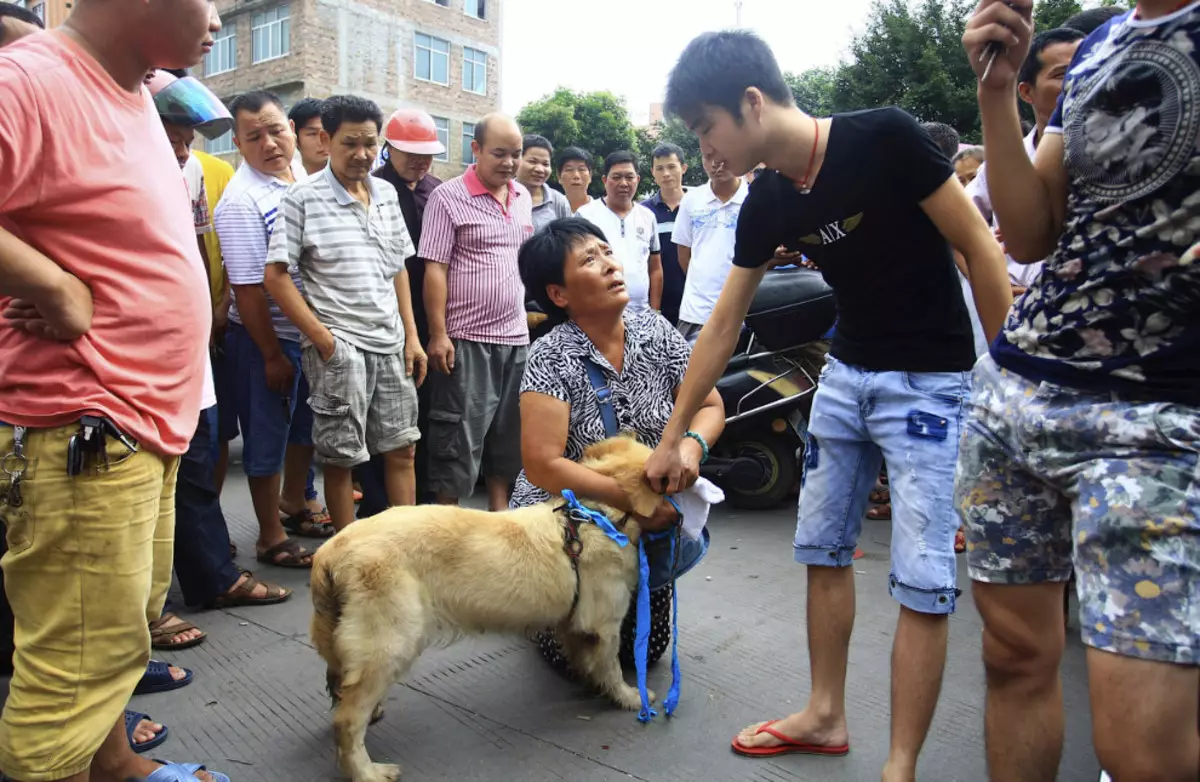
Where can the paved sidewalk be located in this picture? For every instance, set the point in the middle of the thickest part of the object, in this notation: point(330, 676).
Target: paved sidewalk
point(488, 709)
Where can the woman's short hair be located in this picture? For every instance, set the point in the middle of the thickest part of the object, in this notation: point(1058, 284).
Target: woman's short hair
point(544, 256)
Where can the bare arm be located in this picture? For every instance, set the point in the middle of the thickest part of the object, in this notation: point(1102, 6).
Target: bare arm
point(656, 280)
point(717, 341)
point(544, 424)
point(414, 355)
point(47, 300)
point(685, 257)
point(963, 227)
point(1029, 197)
point(255, 313)
point(287, 296)
point(437, 286)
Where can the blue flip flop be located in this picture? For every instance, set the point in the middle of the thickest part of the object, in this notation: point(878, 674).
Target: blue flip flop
point(157, 678)
point(182, 772)
point(132, 718)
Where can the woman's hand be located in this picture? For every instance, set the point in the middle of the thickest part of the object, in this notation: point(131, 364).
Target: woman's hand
point(690, 454)
point(665, 516)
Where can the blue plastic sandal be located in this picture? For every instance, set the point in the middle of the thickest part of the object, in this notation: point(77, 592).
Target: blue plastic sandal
point(182, 772)
point(157, 678)
point(132, 718)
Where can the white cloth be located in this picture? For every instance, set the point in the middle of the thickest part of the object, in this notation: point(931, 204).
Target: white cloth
point(981, 343)
point(708, 226)
point(695, 503)
point(633, 239)
point(1022, 274)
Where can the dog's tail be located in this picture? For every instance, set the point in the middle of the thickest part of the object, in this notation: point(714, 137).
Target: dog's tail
point(327, 612)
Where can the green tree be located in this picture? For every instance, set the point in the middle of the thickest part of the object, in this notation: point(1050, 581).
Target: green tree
point(813, 90)
point(911, 56)
point(1048, 14)
point(595, 121)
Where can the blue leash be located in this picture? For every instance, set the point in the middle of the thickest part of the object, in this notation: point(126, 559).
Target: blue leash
point(641, 646)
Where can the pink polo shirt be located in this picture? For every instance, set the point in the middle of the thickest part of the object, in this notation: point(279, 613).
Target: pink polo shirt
point(467, 229)
point(88, 177)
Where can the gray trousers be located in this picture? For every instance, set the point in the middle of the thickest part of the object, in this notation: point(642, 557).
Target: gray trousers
point(475, 418)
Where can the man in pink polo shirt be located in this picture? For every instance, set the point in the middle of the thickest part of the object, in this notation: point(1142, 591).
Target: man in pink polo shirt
point(102, 354)
point(475, 302)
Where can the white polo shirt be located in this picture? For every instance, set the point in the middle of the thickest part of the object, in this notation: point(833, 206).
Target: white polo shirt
point(633, 238)
point(1022, 274)
point(708, 226)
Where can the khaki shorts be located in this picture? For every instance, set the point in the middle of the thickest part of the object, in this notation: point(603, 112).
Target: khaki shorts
point(87, 568)
point(362, 403)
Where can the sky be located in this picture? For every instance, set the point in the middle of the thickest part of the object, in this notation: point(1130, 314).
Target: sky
point(629, 46)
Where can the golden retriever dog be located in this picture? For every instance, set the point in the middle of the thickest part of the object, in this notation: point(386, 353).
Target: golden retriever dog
point(388, 587)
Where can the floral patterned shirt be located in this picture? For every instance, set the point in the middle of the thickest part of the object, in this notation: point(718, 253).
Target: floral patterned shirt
point(1117, 308)
point(643, 392)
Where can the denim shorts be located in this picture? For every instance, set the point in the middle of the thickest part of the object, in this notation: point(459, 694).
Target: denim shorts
point(263, 414)
point(1053, 479)
point(912, 419)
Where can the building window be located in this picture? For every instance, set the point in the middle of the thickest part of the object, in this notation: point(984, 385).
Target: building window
point(468, 135)
point(223, 56)
point(39, 10)
point(443, 131)
point(474, 71)
point(272, 33)
point(221, 145)
point(475, 8)
point(433, 59)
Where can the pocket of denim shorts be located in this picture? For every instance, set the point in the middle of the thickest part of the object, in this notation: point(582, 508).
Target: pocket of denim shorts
point(445, 434)
point(950, 387)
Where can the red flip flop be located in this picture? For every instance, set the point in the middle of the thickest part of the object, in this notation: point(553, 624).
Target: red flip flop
point(788, 747)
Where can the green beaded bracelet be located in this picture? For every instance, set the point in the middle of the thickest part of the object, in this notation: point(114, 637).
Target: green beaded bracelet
point(703, 445)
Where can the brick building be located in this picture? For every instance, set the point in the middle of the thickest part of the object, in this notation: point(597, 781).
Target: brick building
point(51, 12)
point(442, 56)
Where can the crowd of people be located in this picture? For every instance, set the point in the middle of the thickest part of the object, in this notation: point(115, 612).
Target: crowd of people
point(335, 304)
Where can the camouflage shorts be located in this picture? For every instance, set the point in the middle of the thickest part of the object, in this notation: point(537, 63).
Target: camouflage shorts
point(1051, 478)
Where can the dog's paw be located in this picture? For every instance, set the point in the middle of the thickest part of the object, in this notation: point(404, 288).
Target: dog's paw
point(380, 772)
point(629, 699)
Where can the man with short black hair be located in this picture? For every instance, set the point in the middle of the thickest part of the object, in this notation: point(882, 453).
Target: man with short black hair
point(875, 204)
point(1039, 83)
point(548, 204)
point(1090, 20)
point(305, 121)
point(343, 231)
point(632, 232)
point(668, 169)
point(575, 175)
point(262, 347)
point(17, 22)
point(475, 302)
point(946, 137)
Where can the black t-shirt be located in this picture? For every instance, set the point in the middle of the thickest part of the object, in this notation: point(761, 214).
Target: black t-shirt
point(899, 300)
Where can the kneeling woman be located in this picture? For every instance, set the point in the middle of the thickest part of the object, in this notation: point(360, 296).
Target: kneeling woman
point(569, 269)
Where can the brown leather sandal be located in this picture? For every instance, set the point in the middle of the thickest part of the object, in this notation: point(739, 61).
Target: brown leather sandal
point(167, 627)
point(880, 512)
point(293, 555)
point(243, 594)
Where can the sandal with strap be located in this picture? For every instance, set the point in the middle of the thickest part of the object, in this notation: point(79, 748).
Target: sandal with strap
point(182, 772)
point(293, 555)
point(132, 720)
point(243, 594)
point(158, 678)
point(168, 626)
point(305, 525)
point(880, 496)
point(880, 512)
point(960, 541)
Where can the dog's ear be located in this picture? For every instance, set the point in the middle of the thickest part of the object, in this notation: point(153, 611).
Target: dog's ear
point(624, 460)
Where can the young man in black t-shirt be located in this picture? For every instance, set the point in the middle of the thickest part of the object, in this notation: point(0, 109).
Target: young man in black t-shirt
point(875, 204)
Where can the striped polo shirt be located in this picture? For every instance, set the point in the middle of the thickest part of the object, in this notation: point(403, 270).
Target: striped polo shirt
point(467, 229)
point(348, 256)
point(244, 218)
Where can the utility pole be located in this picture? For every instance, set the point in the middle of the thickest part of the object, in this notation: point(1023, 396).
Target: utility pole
point(737, 4)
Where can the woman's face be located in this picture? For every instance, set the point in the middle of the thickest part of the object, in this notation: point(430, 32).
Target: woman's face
point(593, 280)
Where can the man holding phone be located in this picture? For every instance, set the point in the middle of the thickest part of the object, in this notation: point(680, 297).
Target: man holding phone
point(1083, 446)
point(877, 206)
